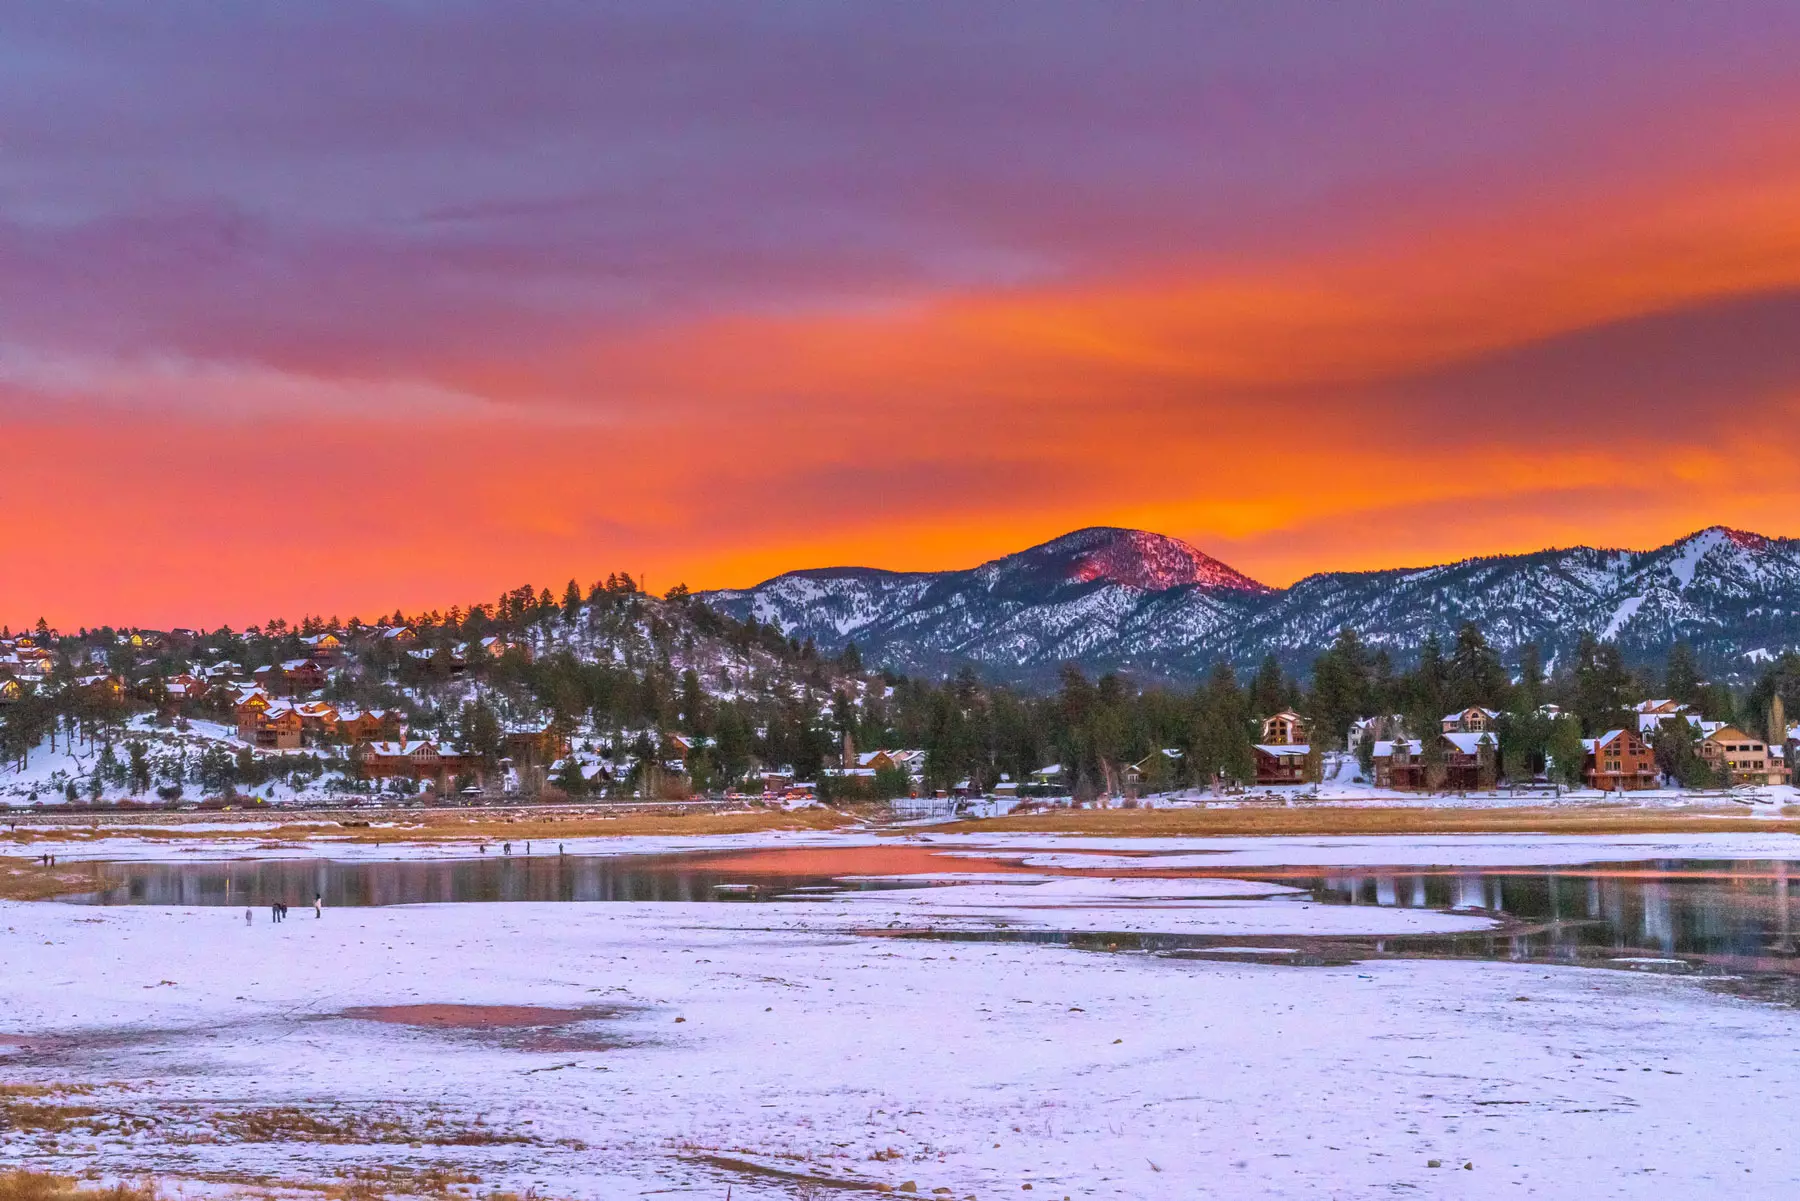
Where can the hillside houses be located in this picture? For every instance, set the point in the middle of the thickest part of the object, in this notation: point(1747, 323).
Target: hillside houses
point(636, 697)
point(271, 723)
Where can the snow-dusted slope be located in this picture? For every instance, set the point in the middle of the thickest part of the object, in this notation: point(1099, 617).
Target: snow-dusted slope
point(1125, 598)
point(1083, 596)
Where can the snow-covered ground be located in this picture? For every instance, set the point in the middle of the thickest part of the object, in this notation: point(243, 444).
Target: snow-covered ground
point(769, 1048)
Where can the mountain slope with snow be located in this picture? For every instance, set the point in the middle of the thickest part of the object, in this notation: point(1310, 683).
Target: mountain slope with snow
point(1110, 598)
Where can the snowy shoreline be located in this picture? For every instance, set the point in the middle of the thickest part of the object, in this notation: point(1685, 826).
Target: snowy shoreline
point(711, 1041)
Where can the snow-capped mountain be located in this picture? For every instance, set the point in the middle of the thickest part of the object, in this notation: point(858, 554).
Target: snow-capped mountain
point(1113, 598)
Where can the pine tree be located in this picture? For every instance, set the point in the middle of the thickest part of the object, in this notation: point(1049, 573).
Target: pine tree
point(1431, 758)
point(1529, 695)
point(139, 768)
point(1429, 681)
point(1567, 757)
point(1681, 676)
point(1602, 686)
point(1341, 686)
point(1475, 675)
point(1268, 693)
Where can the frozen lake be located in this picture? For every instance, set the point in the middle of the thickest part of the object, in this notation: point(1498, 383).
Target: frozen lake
point(1718, 916)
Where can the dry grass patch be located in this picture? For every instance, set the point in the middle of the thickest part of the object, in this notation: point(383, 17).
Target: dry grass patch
point(479, 825)
point(29, 1109)
point(1323, 819)
point(381, 1183)
point(359, 1183)
point(41, 1186)
point(499, 826)
point(27, 880)
point(49, 1118)
point(296, 1124)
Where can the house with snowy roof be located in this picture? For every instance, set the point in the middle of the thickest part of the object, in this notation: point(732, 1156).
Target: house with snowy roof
point(1473, 720)
point(1281, 762)
point(1463, 761)
point(1285, 728)
point(1619, 761)
point(270, 725)
point(1747, 758)
point(327, 645)
point(536, 743)
point(410, 759)
point(1382, 725)
point(1653, 715)
point(369, 725)
point(103, 684)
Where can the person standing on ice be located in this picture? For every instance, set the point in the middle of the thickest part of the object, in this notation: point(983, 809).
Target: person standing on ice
point(318, 904)
point(247, 917)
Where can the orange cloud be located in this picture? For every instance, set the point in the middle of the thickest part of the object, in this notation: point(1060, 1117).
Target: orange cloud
point(1272, 412)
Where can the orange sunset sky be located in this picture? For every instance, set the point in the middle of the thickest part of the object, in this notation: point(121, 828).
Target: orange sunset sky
point(336, 309)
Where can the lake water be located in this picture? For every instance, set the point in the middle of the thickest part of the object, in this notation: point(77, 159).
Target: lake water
point(1727, 917)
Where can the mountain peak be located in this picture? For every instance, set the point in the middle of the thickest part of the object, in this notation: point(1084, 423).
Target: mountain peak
point(1714, 534)
point(1134, 559)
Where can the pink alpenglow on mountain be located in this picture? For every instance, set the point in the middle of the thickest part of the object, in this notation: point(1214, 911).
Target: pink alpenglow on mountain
point(1146, 561)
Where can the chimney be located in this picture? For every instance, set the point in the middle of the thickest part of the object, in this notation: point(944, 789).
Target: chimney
point(849, 751)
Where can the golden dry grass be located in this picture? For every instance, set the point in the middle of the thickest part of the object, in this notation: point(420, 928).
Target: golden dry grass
point(1322, 819)
point(41, 1186)
point(358, 1183)
point(296, 1124)
point(35, 1109)
point(476, 825)
point(28, 880)
point(497, 825)
point(379, 1183)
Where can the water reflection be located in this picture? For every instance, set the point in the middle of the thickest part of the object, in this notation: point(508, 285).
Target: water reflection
point(1724, 912)
point(407, 882)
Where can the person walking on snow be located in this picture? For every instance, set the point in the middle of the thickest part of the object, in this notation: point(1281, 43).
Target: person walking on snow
point(318, 905)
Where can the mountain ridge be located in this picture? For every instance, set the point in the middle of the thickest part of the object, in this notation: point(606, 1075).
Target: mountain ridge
point(1110, 598)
